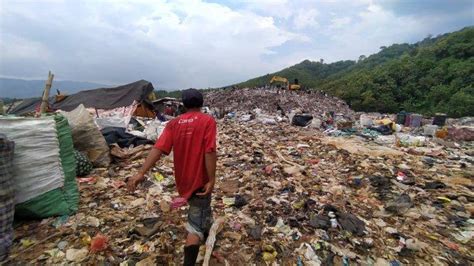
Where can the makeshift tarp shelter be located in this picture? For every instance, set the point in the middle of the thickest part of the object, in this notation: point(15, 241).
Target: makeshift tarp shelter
point(29, 105)
point(161, 103)
point(43, 166)
point(109, 98)
point(137, 94)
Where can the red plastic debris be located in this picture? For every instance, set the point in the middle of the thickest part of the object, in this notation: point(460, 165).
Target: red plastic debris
point(88, 180)
point(268, 169)
point(118, 184)
point(401, 176)
point(99, 243)
point(178, 202)
point(450, 244)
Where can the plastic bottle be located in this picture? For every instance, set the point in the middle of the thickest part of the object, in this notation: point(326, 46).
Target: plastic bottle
point(333, 219)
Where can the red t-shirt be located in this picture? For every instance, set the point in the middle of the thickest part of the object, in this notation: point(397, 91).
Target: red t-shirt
point(191, 136)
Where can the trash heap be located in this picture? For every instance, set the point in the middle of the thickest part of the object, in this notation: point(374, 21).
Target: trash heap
point(270, 101)
point(289, 195)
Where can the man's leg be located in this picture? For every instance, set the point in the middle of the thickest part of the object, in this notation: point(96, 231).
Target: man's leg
point(199, 223)
point(192, 239)
point(191, 249)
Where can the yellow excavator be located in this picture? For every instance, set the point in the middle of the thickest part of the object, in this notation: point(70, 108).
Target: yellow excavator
point(295, 86)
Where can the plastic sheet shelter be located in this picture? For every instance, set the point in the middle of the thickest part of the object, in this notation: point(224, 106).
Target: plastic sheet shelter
point(102, 98)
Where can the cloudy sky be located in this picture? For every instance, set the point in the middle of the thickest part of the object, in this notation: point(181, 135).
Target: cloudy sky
point(194, 43)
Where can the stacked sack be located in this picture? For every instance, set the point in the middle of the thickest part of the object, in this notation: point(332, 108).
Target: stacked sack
point(6, 195)
point(44, 167)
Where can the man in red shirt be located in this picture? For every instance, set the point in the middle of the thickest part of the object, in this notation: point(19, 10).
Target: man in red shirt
point(192, 138)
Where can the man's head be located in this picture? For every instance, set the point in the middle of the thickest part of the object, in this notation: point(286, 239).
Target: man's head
point(192, 99)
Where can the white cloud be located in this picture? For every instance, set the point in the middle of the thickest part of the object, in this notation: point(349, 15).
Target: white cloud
point(195, 43)
point(305, 19)
point(18, 48)
point(338, 23)
point(367, 31)
point(191, 43)
point(274, 8)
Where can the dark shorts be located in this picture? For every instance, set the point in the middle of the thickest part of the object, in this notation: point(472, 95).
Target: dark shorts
point(199, 215)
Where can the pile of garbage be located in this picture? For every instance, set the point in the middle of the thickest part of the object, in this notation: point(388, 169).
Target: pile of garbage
point(302, 179)
point(272, 101)
point(403, 129)
point(284, 194)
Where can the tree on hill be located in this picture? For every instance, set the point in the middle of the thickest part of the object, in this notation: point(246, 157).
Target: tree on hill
point(433, 75)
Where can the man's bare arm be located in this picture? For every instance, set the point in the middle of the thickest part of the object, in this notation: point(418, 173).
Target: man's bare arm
point(153, 157)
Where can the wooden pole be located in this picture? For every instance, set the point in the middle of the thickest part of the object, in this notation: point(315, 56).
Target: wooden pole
point(47, 87)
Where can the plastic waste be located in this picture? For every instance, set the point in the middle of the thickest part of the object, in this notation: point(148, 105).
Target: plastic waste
point(158, 177)
point(366, 121)
point(60, 221)
point(442, 133)
point(178, 202)
point(333, 219)
point(228, 201)
point(408, 140)
point(320, 222)
point(76, 255)
point(256, 232)
point(269, 253)
point(245, 118)
point(351, 223)
point(99, 243)
point(430, 130)
point(154, 129)
point(93, 221)
point(435, 185)
point(400, 205)
point(301, 120)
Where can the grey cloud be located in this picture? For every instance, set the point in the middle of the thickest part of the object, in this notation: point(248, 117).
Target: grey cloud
point(177, 46)
point(428, 7)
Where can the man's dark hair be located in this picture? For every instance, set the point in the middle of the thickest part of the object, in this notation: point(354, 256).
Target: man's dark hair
point(192, 98)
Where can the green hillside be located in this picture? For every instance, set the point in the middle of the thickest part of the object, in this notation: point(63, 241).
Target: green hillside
point(309, 74)
point(433, 75)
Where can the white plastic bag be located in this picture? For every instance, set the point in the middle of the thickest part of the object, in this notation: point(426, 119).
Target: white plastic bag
point(154, 129)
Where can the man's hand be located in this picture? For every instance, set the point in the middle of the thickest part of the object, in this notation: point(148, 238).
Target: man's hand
point(207, 189)
point(152, 158)
point(211, 159)
point(134, 181)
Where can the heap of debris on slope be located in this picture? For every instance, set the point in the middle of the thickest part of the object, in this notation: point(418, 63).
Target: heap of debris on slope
point(269, 100)
point(289, 195)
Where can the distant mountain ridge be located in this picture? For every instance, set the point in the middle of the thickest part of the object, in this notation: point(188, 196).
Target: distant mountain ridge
point(22, 88)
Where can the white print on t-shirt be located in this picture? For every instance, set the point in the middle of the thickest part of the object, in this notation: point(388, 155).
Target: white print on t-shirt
point(184, 121)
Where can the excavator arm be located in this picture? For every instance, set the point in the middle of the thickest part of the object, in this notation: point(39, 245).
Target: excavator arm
point(278, 79)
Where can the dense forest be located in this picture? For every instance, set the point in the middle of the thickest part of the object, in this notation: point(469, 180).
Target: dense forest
point(430, 76)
